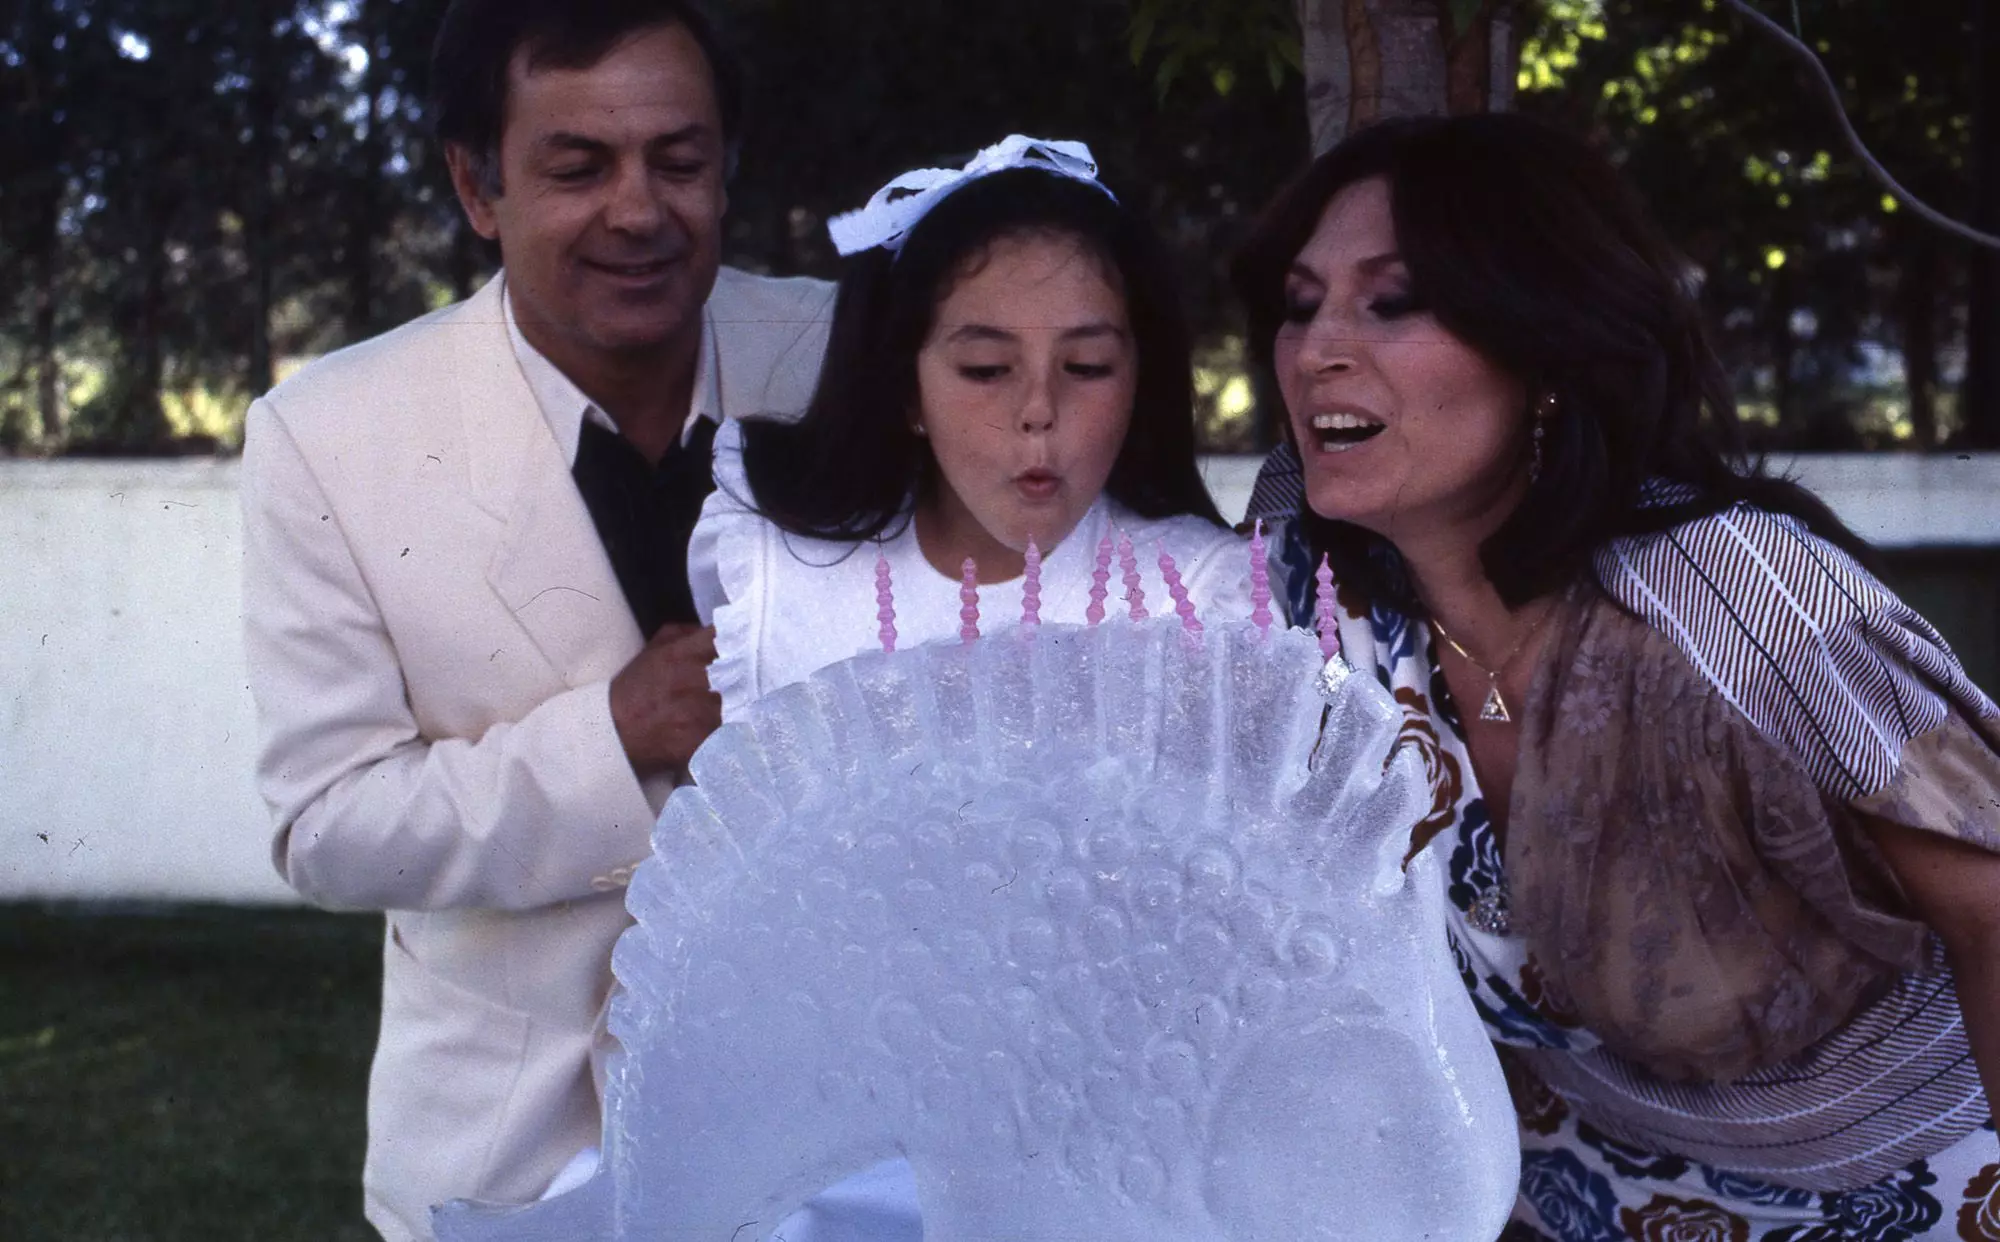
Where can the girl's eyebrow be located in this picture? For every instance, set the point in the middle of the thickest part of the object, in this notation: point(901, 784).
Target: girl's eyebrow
point(1101, 327)
point(979, 332)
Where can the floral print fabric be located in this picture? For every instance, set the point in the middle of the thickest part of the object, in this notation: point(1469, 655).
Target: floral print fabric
point(1577, 1185)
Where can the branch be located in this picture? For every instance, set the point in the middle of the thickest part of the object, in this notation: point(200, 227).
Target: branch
point(1801, 52)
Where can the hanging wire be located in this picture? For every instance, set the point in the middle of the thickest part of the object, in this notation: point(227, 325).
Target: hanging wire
point(1832, 93)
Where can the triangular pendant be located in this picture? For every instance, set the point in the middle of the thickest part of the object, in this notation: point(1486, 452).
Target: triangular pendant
point(1495, 707)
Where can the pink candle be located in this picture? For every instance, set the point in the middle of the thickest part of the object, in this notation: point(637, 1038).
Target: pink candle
point(968, 597)
point(1100, 578)
point(1135, 595)
point(1329, 627)
point(1031, 587)
point(1260, 581)
point(885, 601)
point(1177, 590)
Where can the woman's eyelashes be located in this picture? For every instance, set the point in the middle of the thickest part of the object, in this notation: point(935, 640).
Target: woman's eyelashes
point(1395, 305)
point(1303, 308)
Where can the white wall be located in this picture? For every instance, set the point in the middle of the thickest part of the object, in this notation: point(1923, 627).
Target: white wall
point(126, 731)
point(1906, 501)
point(125, 725)
point(1890, 499)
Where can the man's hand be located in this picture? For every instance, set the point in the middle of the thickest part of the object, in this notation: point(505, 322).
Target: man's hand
point(661, 703)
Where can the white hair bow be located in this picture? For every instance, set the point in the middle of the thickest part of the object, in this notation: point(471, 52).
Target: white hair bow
point(897, 206)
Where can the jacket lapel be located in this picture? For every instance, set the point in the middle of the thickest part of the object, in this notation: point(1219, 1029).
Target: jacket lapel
point(548, 565)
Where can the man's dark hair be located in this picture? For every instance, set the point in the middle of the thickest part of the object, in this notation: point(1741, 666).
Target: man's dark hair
point(849, 468)
point(1528, 246)
point(477, 40)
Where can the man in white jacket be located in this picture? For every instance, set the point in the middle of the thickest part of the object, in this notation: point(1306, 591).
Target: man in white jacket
point(475, 660)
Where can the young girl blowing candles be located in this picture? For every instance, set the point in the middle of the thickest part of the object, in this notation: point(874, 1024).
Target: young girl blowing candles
point(1003, 426)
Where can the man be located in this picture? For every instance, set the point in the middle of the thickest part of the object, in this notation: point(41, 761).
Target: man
point(469, 628)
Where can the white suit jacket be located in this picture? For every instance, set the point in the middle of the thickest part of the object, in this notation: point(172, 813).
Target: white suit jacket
point(432, 625)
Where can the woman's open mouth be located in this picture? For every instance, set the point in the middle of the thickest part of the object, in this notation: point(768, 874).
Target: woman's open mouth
point(1341, 431)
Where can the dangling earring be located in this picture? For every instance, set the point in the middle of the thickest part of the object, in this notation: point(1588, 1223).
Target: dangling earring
point(1544, 410)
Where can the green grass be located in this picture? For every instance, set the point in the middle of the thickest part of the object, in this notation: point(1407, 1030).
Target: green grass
point(187, 1073)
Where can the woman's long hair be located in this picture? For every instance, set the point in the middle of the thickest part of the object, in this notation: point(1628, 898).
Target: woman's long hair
point(849, 468)
point(1528, 246)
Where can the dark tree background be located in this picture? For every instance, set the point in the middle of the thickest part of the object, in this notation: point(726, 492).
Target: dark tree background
point(1842, 317)
point(196, 195)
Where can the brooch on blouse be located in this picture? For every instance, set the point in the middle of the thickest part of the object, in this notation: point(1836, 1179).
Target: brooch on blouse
point(1489, 912)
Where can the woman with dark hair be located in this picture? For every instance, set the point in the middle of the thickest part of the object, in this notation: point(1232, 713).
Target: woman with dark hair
point(1721, 811)
point(1007, 368)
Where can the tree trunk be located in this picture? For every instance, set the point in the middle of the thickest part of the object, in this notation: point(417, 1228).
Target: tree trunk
point(1369, 59)
point(41, 134)
point(364, 209)
point(1481, 63)
point(257, 232)
point(1979, 399)
point(48, 387)
point(146, 416)
point(1916, 309)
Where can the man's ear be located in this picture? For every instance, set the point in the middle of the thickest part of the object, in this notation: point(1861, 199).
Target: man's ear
point(474, 194)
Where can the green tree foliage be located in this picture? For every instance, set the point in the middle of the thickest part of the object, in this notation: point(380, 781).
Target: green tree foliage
point(1837, 313)
point(196, 194)
point(198, 188)
point(128, 225)
point(202, 190)
point(1219, 42)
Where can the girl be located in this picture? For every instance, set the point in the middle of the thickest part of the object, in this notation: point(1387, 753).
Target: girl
point(1007, 366)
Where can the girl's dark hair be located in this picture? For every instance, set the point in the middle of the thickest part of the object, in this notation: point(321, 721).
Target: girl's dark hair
point(1528, 246)
point(847, 470)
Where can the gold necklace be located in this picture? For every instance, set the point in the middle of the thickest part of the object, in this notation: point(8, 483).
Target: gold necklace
point(1494, 709)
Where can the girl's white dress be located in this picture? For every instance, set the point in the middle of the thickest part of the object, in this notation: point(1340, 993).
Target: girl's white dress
point(784, 606)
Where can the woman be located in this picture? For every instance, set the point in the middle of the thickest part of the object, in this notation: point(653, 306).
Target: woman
point(1007, 365)
point(1721, 811)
